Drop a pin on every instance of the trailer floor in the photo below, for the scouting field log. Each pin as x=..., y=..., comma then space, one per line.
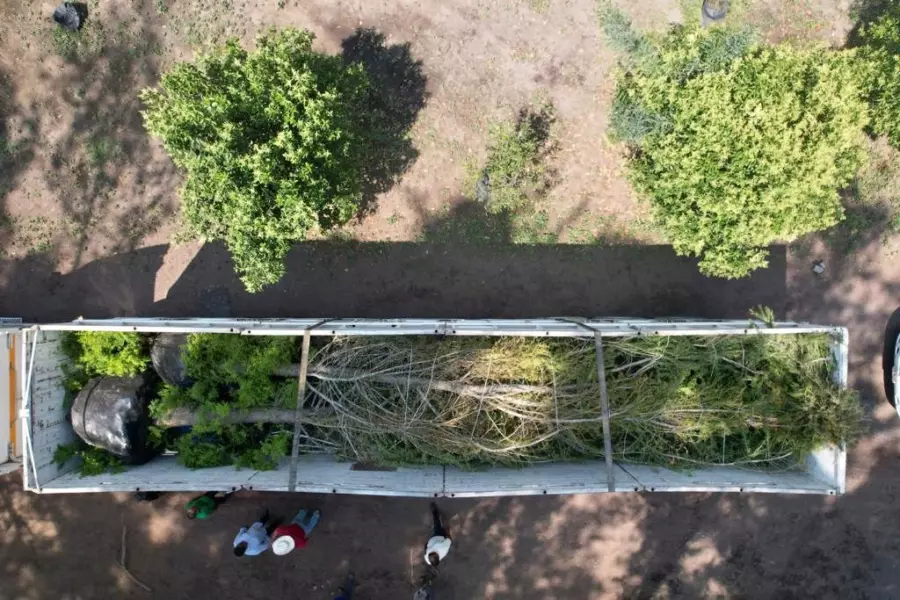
x=604, y=546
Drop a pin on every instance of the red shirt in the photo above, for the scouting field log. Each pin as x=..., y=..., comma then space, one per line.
x=293, y=530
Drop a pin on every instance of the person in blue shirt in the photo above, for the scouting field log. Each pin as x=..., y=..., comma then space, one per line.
x=254, y=540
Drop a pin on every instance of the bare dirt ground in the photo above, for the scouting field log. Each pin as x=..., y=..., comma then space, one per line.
x=82, y=179
x=91, y=205
x=601, y=546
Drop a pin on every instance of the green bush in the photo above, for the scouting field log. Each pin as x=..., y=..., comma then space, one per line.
x=104, y=353
x=516, y=173
x=737, y=146
x=267, y=454
x=238, y=369
x=879, y=43
x=268, y=143
x=93, y=461
x=232, y=373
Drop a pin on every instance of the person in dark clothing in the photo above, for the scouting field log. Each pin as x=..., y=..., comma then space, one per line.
x=147, y=496
x=425, y=591
x=346, y=591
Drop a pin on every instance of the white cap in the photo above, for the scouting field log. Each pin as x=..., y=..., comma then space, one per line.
x=283, y=545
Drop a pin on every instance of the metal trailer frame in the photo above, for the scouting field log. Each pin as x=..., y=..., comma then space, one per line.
x=45, y=421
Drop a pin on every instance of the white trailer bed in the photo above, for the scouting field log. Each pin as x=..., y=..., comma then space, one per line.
x=45, y=425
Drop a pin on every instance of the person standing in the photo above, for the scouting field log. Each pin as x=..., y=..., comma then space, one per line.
x=202, y=507
x=346, y=591
x=254, y=540
x=295, y=535
x=438, y=545
x=425, y=591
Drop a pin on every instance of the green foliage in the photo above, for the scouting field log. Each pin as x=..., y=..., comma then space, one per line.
x=195, y=453
x=880, y=48
x=239, y=369
x=214, y=444
x=764, y=314
x=516, y=171
x=737, y=146
x=100, y=353
x=265, y=457
x=231, y=373
x=622, y=37
x=113, y=353
x=268, y=143
x=94, y=461
x=675, y=58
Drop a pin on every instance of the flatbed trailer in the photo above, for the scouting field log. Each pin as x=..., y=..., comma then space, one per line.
x=44, y=424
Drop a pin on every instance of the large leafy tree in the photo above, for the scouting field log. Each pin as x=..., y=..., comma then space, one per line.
x=269, y=144
x=736, y=146
x=879, y=41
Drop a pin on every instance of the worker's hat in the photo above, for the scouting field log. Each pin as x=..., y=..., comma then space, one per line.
x=283, y=545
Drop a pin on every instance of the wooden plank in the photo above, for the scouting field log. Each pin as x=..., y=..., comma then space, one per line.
x=604, y=413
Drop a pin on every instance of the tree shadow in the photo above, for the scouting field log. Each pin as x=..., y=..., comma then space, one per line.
x=865, y=12
x=19, y=130
x=388, y=111
x=863, y=225
x=112, y=183
x=465, y=221
x=436, y=277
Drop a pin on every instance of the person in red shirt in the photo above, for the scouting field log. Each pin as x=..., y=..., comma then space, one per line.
x=287, y=537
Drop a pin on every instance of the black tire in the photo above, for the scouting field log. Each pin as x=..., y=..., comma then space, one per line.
x=891, y=333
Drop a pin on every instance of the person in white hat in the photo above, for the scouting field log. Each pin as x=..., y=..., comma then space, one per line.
x=438, y=545
x=295, y=535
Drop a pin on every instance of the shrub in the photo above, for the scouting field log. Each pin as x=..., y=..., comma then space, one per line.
x=238, y=369
x=880, y=47
x=515, y=172
x=110, y=353
x=268, y=143
x=93, y=461
x=232, y=373
x=737, y=146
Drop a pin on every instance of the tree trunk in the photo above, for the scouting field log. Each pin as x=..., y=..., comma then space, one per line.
x=453, y=387
x=184, y=417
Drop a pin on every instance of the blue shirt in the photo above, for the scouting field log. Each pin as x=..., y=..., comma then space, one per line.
x=256, y=537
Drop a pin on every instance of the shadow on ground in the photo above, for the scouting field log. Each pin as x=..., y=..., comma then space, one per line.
x=865, y=12
x=388, y=110
x=106, y=154
x=354, y=279
x=18, y=132
x=600, y=546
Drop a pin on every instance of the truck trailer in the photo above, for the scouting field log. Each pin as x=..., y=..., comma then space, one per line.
x=34, y=385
